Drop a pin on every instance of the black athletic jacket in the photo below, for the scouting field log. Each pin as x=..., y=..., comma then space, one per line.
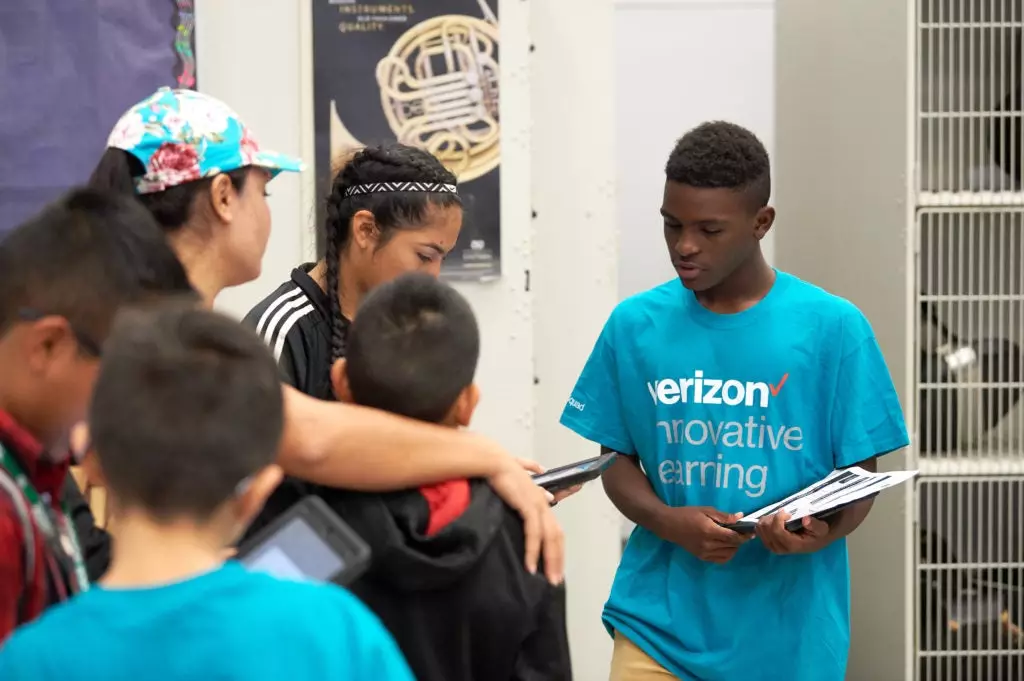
x=459, y=602
x=292, y=321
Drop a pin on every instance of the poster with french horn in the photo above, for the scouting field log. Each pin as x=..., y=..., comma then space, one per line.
x=422, y=73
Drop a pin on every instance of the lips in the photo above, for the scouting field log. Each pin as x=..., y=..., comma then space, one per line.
x=687, y=270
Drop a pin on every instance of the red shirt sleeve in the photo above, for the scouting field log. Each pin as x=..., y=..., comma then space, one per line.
x=446, y=501
x=12, y=572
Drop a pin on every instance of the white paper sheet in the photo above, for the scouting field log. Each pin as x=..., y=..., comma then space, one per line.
x=838, y=488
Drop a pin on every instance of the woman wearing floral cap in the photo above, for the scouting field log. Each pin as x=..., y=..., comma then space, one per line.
x=198, y=169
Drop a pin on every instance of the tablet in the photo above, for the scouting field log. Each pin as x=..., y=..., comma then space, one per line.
x=573, y=474
x=308, y=542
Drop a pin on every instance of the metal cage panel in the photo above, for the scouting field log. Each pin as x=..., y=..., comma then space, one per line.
x=970, y=335
x=970, y=573
x=968, y=101
x=968, y=388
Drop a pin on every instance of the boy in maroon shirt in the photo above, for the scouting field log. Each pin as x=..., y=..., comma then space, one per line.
x=65, y=273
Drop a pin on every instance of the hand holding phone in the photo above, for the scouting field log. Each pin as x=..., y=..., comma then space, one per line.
x=699, y=530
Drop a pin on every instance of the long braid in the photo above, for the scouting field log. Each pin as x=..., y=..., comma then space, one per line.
x=397, y=210
x=335, y=234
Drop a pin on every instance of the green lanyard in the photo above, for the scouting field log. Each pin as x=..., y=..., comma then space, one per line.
x=59, y=532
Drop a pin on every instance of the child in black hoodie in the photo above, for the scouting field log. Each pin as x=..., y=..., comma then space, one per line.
x=447, y=577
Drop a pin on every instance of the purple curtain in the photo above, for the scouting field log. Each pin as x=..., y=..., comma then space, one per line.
x=68, y=70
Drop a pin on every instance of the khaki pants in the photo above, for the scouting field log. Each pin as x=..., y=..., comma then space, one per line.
x=629, y=663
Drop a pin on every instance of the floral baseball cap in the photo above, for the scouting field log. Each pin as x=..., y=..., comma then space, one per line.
x=183, y=135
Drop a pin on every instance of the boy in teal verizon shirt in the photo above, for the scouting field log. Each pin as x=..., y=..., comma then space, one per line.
x=727, y=389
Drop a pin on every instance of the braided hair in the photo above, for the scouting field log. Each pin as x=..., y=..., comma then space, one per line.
x=391, y=210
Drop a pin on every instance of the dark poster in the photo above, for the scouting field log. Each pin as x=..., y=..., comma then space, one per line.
x=425, y=74
x=68, y=70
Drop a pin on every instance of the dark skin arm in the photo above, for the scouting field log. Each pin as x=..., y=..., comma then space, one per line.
x=694, y=528
x=631, y=492
x=815, y=534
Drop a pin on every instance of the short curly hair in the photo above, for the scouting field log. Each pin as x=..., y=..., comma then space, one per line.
x=721, y=154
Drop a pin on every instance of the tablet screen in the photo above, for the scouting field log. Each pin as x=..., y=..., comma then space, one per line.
x=295, y=552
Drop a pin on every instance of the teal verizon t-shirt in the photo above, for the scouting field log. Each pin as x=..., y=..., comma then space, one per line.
x=736, y=411
x=229, y=625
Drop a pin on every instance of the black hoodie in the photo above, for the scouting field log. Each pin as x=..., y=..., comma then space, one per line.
x=460, y=603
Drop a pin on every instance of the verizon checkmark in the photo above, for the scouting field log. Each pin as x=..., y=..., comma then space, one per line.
x=776, y=388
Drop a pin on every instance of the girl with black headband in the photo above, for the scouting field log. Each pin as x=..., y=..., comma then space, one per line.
x=392, y=209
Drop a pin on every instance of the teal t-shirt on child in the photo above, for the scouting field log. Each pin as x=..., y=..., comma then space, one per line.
x=734, y=412
x=230, y=624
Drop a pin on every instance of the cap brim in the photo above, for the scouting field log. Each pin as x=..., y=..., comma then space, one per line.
x=277, y=163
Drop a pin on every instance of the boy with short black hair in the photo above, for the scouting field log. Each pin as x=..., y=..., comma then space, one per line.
x=63, y=276
x=186, y=419
x=729, y=387
x=446, y=577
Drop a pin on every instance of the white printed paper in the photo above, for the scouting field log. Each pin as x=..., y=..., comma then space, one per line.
x=838, y=488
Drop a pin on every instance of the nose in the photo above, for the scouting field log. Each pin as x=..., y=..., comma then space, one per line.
x=686, y=244
x=433, y=268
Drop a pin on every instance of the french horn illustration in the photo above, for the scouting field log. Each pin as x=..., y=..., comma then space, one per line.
x=439, y=91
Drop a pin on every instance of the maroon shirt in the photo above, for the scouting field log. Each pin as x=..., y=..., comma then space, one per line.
x=23, y=597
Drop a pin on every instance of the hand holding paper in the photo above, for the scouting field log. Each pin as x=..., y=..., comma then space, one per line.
x=811, y=536
x=837, y=490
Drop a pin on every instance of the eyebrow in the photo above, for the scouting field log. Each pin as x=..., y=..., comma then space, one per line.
x=436, y=247
x=711, y=221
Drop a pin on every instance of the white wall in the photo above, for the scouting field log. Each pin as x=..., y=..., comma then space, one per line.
x=264, y=87
x=575, y=243
x=570, y=248
x=679, y=63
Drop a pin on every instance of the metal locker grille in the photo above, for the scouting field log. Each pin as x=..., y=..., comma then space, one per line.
x=968, y=391
x=969, y=69
x=970, y=374
x=970, y=574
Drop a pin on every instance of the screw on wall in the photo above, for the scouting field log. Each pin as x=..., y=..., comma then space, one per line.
x=526, y=286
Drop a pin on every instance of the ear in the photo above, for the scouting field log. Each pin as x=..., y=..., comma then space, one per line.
x=46, y=339
x=250, y=502
x=222, y=198
x=339, y=381
x=79, y=437
x=364, y=230
x=92, y=469
x=763, y=221
x=79, y=441
x=462, y=411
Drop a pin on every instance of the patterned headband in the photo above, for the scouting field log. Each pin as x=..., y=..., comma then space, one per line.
x=380, y=187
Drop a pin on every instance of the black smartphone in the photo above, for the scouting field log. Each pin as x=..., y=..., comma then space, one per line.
x=309, y=541
x=573, y=474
